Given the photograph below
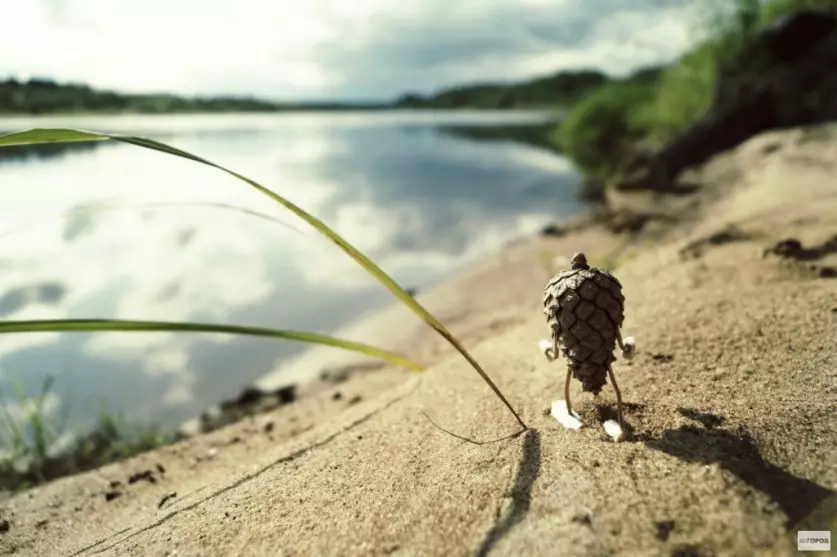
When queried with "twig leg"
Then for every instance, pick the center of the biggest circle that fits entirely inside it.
(562, 410)
(618, 396)
(567, 392)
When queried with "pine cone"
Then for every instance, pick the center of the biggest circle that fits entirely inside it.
(584, 308)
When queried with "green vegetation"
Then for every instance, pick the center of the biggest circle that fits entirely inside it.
(533, 135)
(624, 118)
(601, 130)
(558, 90)
(27, 437)
(42, 96)
(100, 325)
(48, 136)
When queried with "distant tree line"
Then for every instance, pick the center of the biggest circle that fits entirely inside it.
(561, 89)
(44, 96)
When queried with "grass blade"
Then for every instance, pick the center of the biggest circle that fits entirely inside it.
(41, 430)
(60, 135)
(115, 325)
(15, 444)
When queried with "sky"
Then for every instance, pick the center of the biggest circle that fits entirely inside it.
(330, 49)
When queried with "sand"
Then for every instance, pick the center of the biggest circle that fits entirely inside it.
(731, 404)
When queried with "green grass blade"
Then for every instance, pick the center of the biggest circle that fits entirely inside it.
(38, 136)
(112, 325)
(58, 135)
(15, 443)
(41, 430)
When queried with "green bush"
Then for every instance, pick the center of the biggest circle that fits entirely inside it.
(685, 91)
(688, 86)
(602, 130)
(621, 117)
(777, 8)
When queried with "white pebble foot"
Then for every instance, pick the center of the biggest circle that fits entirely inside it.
(559, 412)
(614, 430)
(546, 349)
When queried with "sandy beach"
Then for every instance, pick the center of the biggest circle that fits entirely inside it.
(730, 403)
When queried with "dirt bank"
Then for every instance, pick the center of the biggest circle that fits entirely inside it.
(731, 405)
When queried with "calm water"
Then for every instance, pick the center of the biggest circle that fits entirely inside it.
(114, 231)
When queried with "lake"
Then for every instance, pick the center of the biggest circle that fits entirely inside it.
(108, 230)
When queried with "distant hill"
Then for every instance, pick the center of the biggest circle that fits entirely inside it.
(44, 96)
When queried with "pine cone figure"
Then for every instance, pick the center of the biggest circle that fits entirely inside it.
(584, 308)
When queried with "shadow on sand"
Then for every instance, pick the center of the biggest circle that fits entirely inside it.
(737, 453)
(528, 471)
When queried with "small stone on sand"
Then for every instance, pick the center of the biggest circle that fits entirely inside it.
(559, 412)
(614, 430)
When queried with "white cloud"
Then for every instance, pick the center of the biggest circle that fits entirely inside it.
(329, 48)
(180, 392)
(167, 360)
(620, 44)
(10, 343)
(368, 228)
(222, 268)
(184, 46)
